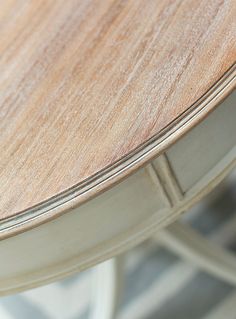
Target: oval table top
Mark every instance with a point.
(90, 90)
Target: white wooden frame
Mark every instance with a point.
(187, 243)
(19, 271)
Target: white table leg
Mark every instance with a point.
(107, 287)
(187, 243)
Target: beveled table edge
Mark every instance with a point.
(108, 177)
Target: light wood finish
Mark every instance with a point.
(85, 83)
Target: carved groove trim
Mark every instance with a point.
(165, 175)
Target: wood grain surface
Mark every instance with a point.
(84, 83)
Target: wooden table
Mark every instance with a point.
(109, 127)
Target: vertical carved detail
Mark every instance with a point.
(163, 172)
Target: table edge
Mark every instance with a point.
(111, 175)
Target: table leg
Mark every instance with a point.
(187, 243)
(107, 288)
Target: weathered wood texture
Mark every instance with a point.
(83, 83)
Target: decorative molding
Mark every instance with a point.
(81, 193)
